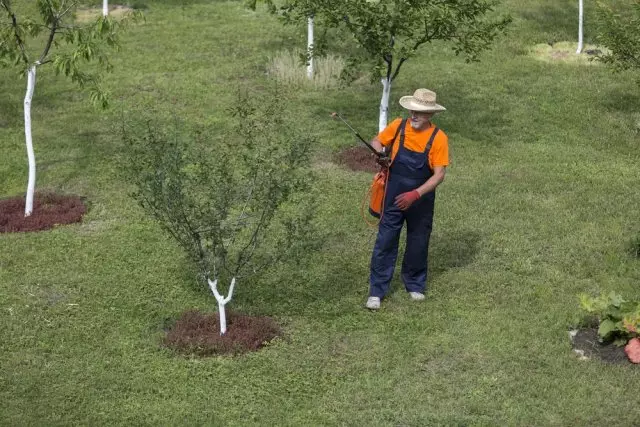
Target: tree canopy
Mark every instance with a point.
(618, 30)
(67, 45)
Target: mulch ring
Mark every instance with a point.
(586, 345)
(196, 333)
(358, 159)
(49, 210)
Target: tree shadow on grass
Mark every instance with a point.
(621, 100)
(330, 287)
(451, 250)
(554, 18)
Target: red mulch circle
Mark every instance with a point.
(358, 159)
(196, 333)
(49, 210)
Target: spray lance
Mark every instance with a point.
(377, 191)
(369, 146)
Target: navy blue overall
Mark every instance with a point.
(409, 170)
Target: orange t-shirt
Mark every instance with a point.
(417, 141)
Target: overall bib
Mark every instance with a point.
(409, 170)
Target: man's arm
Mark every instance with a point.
(433, 182)
(375, 143)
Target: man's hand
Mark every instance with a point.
(405, 200)
(383, 160)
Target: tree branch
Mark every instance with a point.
(14, 24)
(52, 34)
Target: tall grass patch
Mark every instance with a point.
(288, 68)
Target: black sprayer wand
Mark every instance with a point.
(373, 150)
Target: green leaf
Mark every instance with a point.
(606, 327)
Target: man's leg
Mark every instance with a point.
(385, 252)
(415, 262)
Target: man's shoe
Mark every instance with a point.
(416, 296)
(373, 303)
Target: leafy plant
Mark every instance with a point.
(618, 31)
(618, 319)
(236, 203)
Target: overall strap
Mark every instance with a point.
(400, 131)
(433, 136)
(426, 150)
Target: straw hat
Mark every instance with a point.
(422, 100)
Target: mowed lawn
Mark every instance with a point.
(540, 204)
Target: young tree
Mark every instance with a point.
(75, 44)
(618, 30)
(390, 32)
(242, 206)
(295, 11)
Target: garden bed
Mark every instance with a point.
(196, 333)
(586, 344)
(49, 210)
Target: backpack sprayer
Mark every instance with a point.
(378, 186)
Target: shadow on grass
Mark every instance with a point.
(559, 20)
(622, 101)
(450, 250)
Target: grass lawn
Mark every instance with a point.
(539, 204)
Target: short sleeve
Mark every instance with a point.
(387, 134)
(439, 153)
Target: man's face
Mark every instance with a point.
(420, 120)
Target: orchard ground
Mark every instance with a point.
(539, 204)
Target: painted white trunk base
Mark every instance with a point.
(105, 7)
(222, 301)
(31, 185)
(310, 47)
(384, 103)
(580, 24)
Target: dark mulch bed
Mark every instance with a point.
(358, 159)
(586, 341)
(49, 210)
(196, 333)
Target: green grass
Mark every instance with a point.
(540, 203)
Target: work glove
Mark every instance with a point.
(384, 160)
(405, 200)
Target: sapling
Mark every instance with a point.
(388, 33)
(236, 204)
(21, 46)
(294, 11)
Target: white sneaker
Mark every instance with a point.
(416, 296)
(373, 303)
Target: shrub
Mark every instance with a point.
(618, 319)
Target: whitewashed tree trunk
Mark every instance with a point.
(580, 23)
(222, 301)
(105, 7)
(310, 47)
(384, 103)
(31, 184)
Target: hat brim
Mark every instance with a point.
(409, 103)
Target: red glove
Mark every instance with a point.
(405, 200)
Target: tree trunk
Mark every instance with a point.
(31, 185)
(310, 47)
(384, 103)
(105, 7)
(222, 301)
(580, 23)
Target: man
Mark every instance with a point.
(418, 159)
